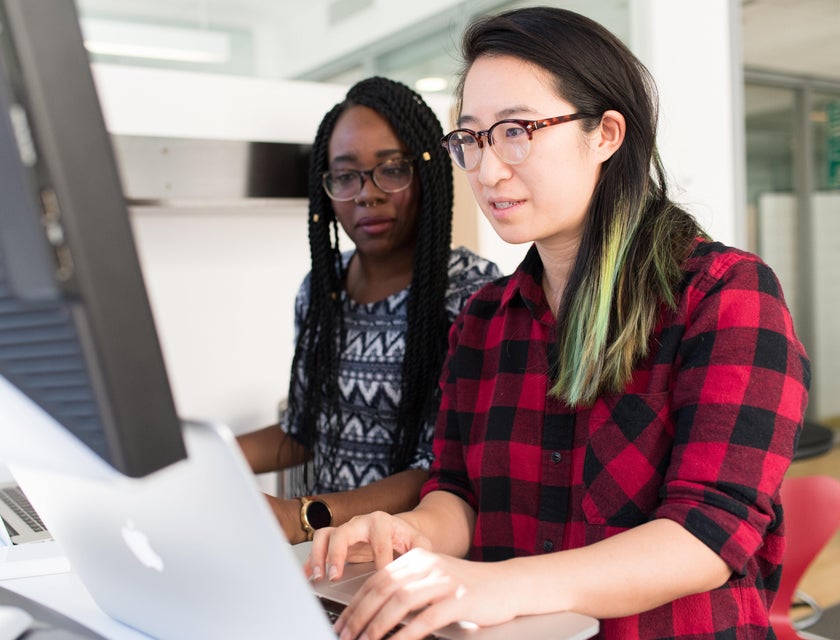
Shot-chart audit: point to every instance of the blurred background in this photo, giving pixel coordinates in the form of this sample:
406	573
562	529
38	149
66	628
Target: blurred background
209	237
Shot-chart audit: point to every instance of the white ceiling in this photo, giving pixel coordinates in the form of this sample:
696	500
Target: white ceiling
316	38
801	37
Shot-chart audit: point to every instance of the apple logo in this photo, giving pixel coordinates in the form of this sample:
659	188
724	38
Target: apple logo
140	546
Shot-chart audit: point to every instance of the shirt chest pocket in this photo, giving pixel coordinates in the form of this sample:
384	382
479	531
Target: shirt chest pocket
628	442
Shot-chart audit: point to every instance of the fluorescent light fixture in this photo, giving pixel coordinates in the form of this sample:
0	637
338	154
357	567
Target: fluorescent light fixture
431	84
111	38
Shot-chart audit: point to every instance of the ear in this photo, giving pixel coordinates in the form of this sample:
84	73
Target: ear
610	132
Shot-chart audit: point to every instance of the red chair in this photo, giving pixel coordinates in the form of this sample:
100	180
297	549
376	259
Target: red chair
812	516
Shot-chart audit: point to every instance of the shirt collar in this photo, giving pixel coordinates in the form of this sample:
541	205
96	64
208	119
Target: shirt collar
526	284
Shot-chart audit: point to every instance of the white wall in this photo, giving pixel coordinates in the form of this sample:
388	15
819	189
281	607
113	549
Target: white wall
693	50
222	284
221	278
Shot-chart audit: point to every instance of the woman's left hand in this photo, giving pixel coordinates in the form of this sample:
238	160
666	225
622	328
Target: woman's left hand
440	589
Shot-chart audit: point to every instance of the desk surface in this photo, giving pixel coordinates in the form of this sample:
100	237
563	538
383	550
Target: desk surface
63	591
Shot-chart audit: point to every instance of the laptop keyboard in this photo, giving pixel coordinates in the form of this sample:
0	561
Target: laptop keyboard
18	502
333	610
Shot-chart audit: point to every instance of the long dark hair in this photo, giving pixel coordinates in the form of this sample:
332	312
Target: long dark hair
635	239
313	390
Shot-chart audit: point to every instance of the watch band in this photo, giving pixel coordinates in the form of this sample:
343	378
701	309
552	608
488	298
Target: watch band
314	514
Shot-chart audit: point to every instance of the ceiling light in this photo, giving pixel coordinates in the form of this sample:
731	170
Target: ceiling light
111	38
431	84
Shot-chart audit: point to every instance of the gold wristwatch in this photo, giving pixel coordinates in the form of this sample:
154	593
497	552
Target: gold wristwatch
314	514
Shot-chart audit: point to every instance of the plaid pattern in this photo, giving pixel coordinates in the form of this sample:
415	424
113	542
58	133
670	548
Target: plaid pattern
702	435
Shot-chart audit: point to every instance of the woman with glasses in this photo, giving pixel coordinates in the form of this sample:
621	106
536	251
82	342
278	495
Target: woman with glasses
371	322
618	414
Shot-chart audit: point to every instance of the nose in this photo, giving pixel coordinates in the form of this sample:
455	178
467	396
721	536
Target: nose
491	169
368	185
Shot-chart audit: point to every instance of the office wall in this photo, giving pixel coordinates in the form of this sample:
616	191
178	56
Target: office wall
221	275
693	49
777	214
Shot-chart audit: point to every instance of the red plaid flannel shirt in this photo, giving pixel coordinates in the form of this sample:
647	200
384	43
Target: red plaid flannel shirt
702	435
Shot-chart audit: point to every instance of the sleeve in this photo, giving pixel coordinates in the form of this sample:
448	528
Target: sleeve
468	273
740	388
448	471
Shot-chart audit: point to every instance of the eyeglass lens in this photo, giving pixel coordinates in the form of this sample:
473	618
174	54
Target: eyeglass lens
390	176
509	140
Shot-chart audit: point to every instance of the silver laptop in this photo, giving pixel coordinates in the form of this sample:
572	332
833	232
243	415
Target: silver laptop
20	522
194	551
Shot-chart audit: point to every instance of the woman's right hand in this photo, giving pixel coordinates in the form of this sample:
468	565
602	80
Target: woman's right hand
377	537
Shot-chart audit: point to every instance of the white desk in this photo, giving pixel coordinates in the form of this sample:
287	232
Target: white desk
65	593
61	590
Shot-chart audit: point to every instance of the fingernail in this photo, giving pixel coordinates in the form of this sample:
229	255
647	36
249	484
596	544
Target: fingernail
316	574
332	571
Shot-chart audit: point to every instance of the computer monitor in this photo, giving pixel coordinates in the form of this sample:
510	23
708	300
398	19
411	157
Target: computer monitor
77	336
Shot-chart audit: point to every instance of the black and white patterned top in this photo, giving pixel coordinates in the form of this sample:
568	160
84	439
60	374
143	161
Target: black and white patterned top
370	374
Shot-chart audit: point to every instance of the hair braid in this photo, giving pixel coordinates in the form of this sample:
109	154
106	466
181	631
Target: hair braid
318	347
321	339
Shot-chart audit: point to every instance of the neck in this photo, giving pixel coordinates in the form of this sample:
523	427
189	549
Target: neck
370	278
557	266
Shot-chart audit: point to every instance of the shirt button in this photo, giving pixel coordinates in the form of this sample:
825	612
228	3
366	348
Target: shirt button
548	546
556	457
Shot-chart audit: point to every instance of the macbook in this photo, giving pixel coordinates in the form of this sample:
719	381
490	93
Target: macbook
194	551
21	523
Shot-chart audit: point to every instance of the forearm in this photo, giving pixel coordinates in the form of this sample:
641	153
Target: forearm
626	574
271	449
446	520
393	494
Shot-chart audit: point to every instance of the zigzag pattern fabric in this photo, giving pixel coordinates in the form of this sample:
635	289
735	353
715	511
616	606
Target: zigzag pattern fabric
371	373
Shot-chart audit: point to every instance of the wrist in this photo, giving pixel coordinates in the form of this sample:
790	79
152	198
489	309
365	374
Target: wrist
315	514
287	513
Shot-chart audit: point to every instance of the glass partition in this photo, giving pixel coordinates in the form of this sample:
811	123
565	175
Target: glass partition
793	191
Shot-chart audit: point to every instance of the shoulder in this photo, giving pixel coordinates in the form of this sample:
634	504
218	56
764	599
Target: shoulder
465	264
468	273
713	266
302	297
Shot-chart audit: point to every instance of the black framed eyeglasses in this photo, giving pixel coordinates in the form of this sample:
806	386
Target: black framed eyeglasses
510	139
392	176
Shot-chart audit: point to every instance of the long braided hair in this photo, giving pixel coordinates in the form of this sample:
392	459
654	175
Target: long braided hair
314	390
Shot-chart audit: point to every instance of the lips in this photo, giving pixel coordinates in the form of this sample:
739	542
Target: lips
507	204
375	225
500	208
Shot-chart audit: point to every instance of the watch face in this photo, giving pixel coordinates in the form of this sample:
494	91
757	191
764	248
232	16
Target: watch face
318	515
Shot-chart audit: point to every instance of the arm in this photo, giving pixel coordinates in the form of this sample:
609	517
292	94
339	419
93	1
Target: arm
272	449
441	522
629	573
392	494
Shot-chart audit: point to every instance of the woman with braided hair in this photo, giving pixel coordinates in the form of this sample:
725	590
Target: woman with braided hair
372	322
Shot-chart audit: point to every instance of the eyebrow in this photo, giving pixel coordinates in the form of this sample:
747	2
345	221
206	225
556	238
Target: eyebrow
504	114
381	154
